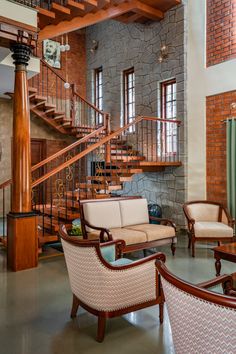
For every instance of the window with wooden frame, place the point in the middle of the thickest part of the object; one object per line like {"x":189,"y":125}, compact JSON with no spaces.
{"x":98,"y":92}
{"x":168,"y":109}
{"x":129,"y":97}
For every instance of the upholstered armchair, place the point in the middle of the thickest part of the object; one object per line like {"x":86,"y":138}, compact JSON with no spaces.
{"x":106,"y":286}
{"x":201,"y":321}
{"x":208,"y":221}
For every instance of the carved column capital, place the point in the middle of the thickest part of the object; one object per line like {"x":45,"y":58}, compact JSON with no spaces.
{"x":21,"y":54}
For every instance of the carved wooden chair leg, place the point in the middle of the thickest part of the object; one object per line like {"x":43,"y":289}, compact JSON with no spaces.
{"x":101,"y":328}
{"x":161,"y":311}
{"x":173,"y":248}
{"x":189,"y":240}
{"x":193,"y":247}
{"x":75,"y":306}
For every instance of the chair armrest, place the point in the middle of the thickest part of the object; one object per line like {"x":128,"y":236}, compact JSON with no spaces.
{"x":215,"y":281}
{"x":140,"y":262}
{"x":102,"y":229}
{"x":131,"y":284}
{"x":231,"y":221}
{"x":119,"y":244}
{"x":165,"y":221}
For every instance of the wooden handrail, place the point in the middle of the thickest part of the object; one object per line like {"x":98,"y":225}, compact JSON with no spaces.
{"x":5,"y":184}
{"x":76,"y":93}
{"x":90,"y":104}
{"x":88,"y":150}
{"x":59,"y":153}
{"x":50,"y":68}
{"x":68,"y":148}
{"x":175,"y":121}
{"x":96,"y":145}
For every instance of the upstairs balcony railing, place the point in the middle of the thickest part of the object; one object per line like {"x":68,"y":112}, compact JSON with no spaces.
{"x":29,"y":3}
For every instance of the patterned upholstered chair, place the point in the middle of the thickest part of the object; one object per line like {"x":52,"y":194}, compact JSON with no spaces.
{"x":201,"y":321}
{"x":107,"y":287}
{"x":208,"y":221}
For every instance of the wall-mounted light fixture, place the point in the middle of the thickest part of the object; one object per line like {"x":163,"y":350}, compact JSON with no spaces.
{"x":94,"y":46}
{"x":163,"y":53}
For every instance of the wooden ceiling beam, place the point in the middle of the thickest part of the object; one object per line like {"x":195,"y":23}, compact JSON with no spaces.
{"x":59,"y":8}
{"x":148,"y":11}
{"x":89,"y":19}
{"x":128,"y":19}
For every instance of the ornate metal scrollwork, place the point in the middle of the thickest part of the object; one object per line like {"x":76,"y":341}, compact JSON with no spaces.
{"x":60,"y":191}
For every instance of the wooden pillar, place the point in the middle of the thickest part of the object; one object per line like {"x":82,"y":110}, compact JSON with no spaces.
{"x":22,"y":248}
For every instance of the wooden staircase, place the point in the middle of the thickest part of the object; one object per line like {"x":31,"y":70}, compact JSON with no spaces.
{"x":60,"y":106}
{"x":98,"y":164}
{"x":107,"y":180}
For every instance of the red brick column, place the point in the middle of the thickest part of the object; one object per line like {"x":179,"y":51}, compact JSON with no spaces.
{"x":218,"y":108}
{"x":221,"y":31}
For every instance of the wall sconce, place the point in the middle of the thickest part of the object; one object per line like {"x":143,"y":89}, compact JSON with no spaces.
{"x":163,"y":53}
{"x":94,"y":46}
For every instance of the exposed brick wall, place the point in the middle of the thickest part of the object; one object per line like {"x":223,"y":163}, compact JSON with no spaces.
{"x":218,"y":108}
{"x":76,"y":62}
{"x":221,"y":32}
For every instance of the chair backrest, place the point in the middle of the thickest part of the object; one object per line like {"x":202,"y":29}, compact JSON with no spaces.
{"x":201,"y":321}
{"x":205,"y":211}
{"x":115,"y":212}
{"x":95,"y":282}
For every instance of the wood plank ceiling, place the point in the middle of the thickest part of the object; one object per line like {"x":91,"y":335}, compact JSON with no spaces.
{"x":62,"y":16}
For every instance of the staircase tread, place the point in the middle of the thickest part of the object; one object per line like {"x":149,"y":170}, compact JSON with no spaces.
{"x":99,"y":186}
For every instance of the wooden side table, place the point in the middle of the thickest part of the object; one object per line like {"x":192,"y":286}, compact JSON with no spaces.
{"x":226,"y":252}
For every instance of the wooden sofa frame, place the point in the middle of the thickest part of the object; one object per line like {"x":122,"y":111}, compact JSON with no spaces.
{"x":191,"y":222}
{"x":105,"y":234}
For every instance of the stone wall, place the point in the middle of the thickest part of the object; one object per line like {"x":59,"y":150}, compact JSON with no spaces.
{"x":121,"y":46}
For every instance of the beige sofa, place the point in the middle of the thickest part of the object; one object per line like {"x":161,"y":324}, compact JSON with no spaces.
{"x":126,"y":219}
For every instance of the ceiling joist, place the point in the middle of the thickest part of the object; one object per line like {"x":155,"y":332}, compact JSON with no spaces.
{"x":76,"y":15}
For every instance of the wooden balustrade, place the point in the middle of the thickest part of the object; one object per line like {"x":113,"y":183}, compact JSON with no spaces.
{"x":94,"y":168}
{"x":57,"y":98}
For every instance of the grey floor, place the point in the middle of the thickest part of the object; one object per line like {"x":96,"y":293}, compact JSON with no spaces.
{"x":35,"y":306}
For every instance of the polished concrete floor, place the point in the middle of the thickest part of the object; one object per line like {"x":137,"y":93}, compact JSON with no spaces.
{"x":35,"y":306}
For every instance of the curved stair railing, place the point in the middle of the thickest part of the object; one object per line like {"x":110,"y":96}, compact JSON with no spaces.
{"x":58,"y":103}
{"x":100,"y":168}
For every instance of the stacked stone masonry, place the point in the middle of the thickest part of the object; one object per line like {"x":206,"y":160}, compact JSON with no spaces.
{"x":122,"y":46}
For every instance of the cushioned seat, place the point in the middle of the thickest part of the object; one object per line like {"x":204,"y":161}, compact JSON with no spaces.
{"x":126,"y":219}
{"x":212,"y":229}
{"x":129,"y":236}
{"x":208,"y":221}
{"x":154,"y":232}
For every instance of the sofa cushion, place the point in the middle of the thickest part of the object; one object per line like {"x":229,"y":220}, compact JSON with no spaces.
{"x":129,"y":236}
{"x":102,"y":214}
{"x":133,"y":212}
{"x":203,"y":211}
{"x":212,"y":229}
{"x":154,"y":232}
